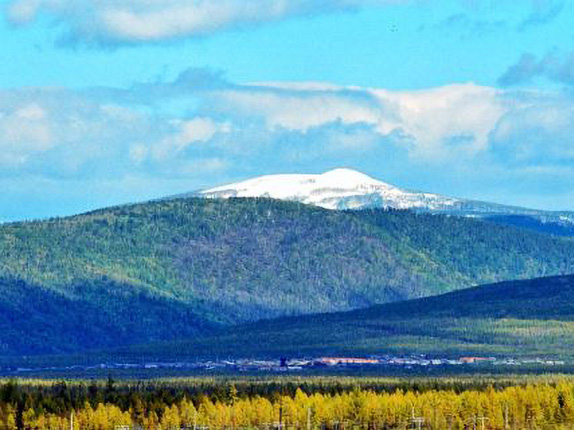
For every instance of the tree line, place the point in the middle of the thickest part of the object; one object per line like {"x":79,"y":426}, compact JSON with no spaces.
{"x":539,"y":405}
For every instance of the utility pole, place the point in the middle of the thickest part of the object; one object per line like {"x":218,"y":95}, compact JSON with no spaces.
{"x":417,"y":421}
{"x":449,"y":422}
{"x":281,"y":412}
{"x":308,"y":418}
{"x":482,"y":420}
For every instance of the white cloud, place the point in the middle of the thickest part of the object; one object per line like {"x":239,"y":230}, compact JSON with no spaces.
{"x":22,"y":11}
{"x":64,"y":132}
{"x":178,"y":18}
{"x":297,"y":110}
{"x":23,"y":132}
{"x":536,"y":137}
{"x":195,"y":130}
{"x":457,"y":131}
{"x":433,"y":126}
{"x":138,"y":153}
{"x":440,"y":117}
{"x":31,"y":112}
{"x":138,"y":21}
{"x":445,"y":121}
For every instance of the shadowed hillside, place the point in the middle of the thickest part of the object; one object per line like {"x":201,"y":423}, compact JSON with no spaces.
{"x":519,"y":318}
{"x":171,"y":269}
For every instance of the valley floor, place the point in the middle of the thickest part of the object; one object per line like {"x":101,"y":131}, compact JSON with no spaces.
{"x":399,"y":366}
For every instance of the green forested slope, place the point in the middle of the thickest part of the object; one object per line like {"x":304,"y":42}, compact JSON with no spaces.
{"x":516,"y":318}
{"x":95,"y":314}
{"x":476,"y":250}
{"x":100,"y":276}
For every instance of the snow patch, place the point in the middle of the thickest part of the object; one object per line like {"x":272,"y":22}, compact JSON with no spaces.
{"x":335,"y":189}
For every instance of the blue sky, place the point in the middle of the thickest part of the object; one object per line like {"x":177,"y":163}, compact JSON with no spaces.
{"x":111,"y":101}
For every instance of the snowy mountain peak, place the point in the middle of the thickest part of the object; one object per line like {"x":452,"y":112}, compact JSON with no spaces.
{"x":349,"y":189}
{"x":336,"y":189}
{"x":347,"y":177}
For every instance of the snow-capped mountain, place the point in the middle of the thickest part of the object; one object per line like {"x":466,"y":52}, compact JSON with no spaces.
{"x":335,"y":189}
{"x":343,"y":189}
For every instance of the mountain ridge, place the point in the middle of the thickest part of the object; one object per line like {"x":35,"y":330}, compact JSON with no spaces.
{"x":508,"y":319}
{"x":347,"y":189}
{"x":215,"y":262}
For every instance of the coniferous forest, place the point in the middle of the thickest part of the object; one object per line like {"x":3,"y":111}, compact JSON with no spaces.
{"x":178,"y":269}
{"x":533,"y":403}
{"x":530,"y":318}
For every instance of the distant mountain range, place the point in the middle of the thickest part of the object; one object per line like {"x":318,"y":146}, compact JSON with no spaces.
{"x":343,"y":189}
{"x":185,"y":267}
{"x":510,"y":319}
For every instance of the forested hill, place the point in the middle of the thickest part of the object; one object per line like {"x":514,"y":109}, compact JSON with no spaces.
{"x":174,"y":269}
{"x":517,"y":318}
